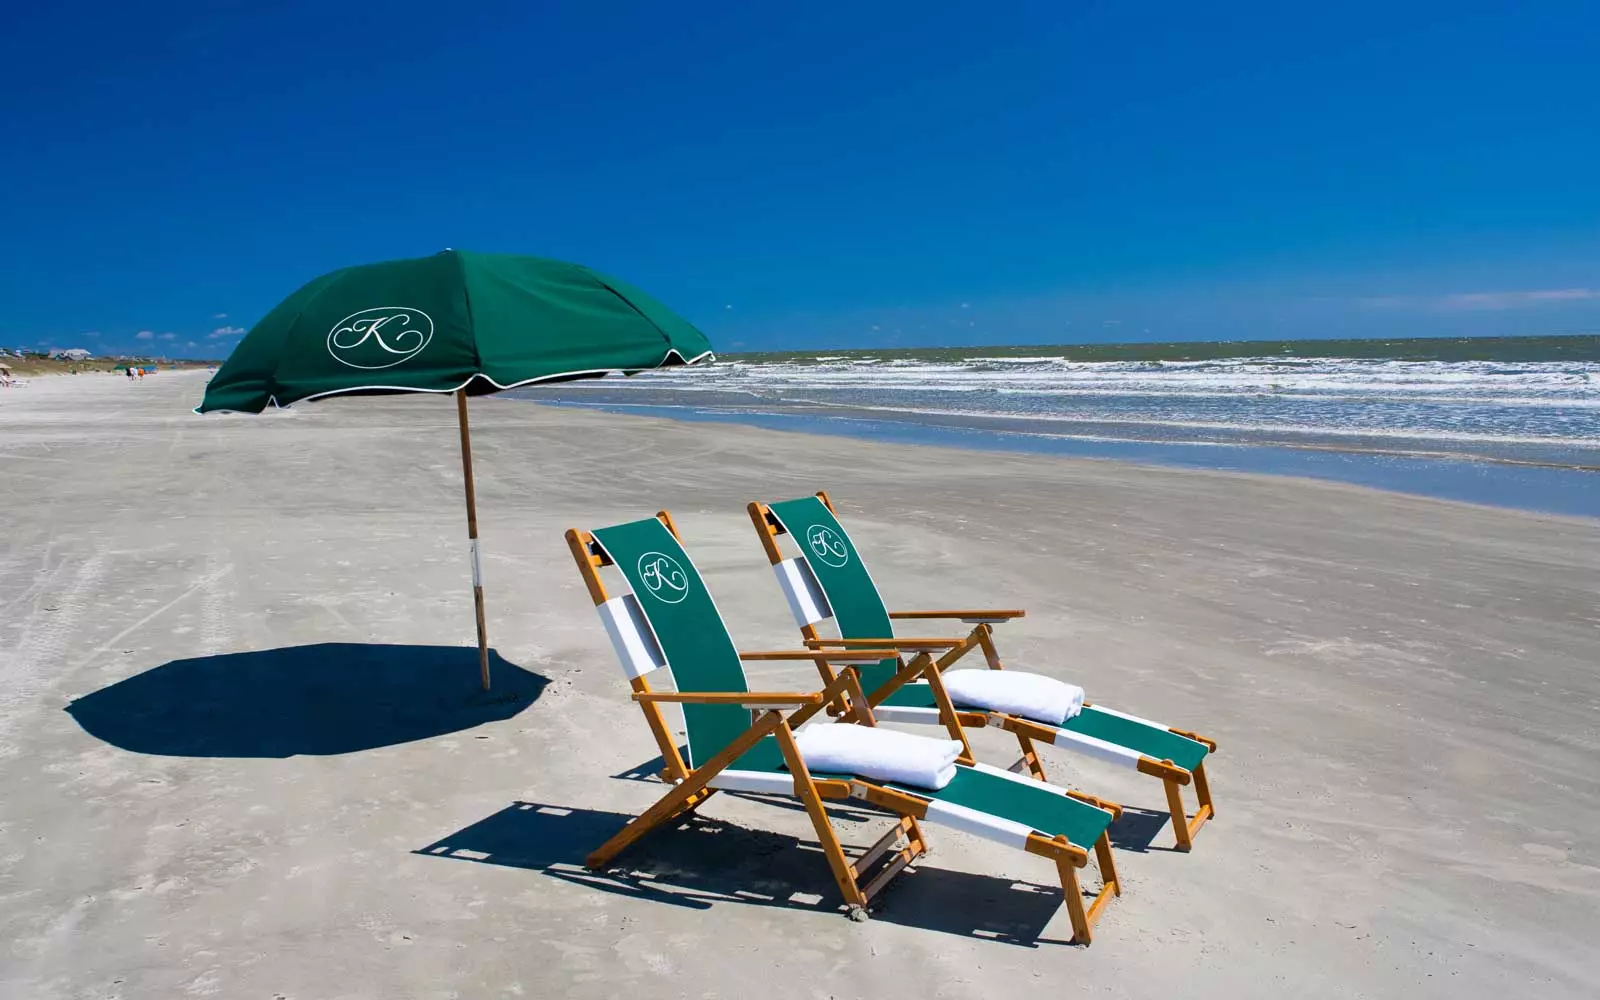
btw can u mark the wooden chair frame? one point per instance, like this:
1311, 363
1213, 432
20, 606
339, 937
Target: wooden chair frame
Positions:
1026, 731
864, 878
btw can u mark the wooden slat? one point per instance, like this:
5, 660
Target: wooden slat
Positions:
977, 615
880, 644
1166, 770
836, 655
578, 542
685, 793
731, 697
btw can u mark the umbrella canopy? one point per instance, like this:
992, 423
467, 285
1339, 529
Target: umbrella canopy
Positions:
455, 320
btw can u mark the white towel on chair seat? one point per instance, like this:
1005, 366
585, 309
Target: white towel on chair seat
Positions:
881, 754
1032, 696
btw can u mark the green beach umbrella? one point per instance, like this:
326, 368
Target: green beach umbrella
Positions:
456, 322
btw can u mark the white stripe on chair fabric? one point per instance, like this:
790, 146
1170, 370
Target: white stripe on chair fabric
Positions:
766, 782
956, 817
1028, 781
1088, 745
1005, 775
1123, 715
910, 714
907, 714
631, 636
979, 824
807, 602
1092, 746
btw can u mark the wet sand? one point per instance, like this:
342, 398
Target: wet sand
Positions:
196, 798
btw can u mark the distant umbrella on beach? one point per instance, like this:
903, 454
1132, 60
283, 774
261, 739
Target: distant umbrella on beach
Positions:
457, 322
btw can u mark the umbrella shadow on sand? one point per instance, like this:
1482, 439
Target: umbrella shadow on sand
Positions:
701, 862
330, 698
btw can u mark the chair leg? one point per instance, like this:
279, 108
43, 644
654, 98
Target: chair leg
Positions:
1183, 827
1202, 790
914, 834
670, 807
1030, 758
686, 794
1074, 898
1180, 820
1109, 887
843, 874
1108, 865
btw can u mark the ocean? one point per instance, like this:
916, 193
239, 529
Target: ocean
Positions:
1512, 421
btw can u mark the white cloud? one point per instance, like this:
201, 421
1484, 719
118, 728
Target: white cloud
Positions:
169, 336
226, 331
144, 335
93, 334
191, 344
1516, 300
1482, 301
219, 316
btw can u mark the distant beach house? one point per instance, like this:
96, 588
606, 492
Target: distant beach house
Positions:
72, 354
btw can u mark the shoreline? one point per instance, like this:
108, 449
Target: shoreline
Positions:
1553, 488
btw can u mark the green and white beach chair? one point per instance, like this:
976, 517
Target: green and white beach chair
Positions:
828, 580
743, 740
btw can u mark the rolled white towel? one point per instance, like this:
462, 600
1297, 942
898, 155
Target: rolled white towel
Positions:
1032, 696
881, 754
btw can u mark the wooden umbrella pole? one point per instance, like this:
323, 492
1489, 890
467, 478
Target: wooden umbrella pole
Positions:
472, 535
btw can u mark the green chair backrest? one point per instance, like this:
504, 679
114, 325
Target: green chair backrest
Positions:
692, 635
858, 609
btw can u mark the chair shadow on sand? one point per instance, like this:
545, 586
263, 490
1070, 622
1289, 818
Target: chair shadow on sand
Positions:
703, 861
329, 698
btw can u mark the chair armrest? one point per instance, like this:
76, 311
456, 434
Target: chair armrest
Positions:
971, 617
872, 655
880, 645
747, 698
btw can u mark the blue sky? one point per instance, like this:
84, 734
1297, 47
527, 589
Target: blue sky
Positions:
815, 175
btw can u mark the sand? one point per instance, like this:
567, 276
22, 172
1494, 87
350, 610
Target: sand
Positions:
1404, 691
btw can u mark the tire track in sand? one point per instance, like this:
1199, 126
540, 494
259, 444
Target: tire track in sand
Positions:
38, 664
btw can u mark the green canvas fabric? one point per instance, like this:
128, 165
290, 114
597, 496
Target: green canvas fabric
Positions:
702, 657
912, 695
456, 319
1034, 805
859, 612
694, 639
1029, 803
1153, 742
857, 608
1148, 740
